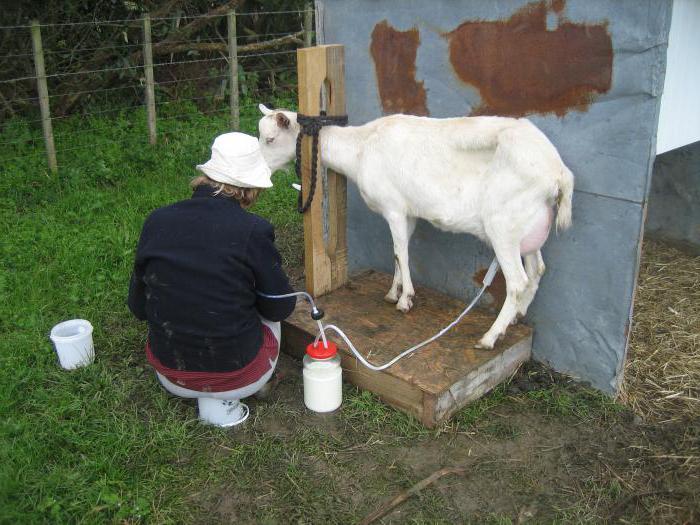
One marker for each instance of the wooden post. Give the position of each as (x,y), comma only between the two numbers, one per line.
(148,68)
(325,264)
(308,25)
(233,71)
(43,95)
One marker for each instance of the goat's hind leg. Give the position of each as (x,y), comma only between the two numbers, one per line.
(534,267)
(508,254)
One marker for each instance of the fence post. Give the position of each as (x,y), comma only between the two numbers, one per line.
(233,70)
(43,95)
(308,25)
(325,261)
(148,68)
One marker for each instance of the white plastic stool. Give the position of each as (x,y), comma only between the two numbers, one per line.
(222,412)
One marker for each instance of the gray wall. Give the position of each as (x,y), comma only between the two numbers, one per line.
(674,200)
(582,311)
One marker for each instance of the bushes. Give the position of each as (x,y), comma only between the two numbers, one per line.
(109,46)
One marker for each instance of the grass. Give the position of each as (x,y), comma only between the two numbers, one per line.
(364,412)
(105,444)
(97,443)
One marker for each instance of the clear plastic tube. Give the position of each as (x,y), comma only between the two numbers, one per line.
(488,279)
(306,296)
(410,350)
(311,301)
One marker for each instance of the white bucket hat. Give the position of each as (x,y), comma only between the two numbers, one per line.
(236,159)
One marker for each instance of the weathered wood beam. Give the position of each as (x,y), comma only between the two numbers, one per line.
(325,260)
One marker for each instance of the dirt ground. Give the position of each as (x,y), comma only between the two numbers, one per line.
(539,449)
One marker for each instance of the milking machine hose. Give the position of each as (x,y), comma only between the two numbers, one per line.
(317,315)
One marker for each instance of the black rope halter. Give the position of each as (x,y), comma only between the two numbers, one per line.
(311,127)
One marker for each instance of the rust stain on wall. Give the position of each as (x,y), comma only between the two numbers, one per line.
(519,66)
(497,290)
(394,54)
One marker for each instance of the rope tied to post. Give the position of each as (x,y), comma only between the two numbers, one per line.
(311,127)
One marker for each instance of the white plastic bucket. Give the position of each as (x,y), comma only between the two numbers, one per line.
(73,342)
(222,412)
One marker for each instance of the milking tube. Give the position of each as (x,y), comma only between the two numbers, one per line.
(317,314)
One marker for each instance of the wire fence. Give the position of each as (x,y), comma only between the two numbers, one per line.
(177,17)
(180,75)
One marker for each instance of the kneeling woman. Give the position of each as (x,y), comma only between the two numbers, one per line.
(198,266)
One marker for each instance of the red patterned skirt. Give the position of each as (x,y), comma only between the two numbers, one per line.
(222,381)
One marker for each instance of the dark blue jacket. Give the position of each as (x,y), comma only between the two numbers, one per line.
(198,265)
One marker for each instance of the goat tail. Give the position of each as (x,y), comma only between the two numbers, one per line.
(564,197)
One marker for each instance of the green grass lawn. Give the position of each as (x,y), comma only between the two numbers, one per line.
(106,444)
(100,442)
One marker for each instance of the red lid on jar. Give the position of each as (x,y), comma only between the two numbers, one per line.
(318,351)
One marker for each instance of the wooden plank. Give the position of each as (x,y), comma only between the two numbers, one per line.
(150,85)
(325,265)
(43,90)
(479,381)
(378,329)
(337,249)
(434,382)
(311,66)
(233,71)
(391,390)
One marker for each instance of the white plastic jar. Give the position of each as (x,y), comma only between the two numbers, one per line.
(323,377)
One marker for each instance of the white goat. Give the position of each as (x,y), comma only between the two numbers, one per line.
(494,177)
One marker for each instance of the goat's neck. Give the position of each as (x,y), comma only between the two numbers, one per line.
(340,148)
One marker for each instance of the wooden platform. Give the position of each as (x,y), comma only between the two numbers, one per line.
(438,379)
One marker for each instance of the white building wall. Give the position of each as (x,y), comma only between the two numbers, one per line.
(679,119)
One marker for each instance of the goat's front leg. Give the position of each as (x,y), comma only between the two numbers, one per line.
(401,228)
(508,254)
(396,287)
(393,295)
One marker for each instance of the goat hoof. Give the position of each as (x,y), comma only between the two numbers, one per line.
(484,344)
(404,305)
(391,298)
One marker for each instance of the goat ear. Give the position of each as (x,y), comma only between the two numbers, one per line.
(264,109)
(282,120)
